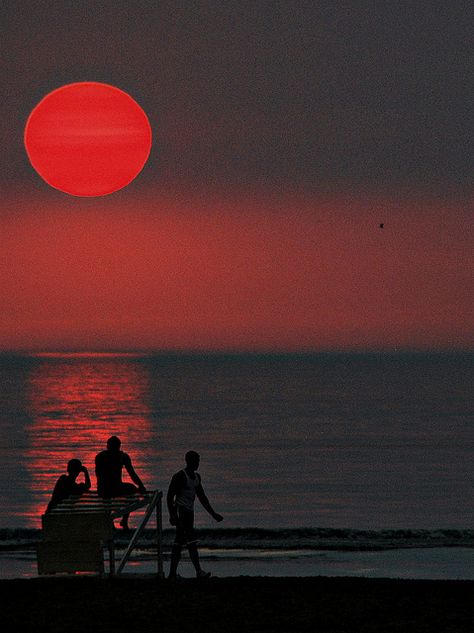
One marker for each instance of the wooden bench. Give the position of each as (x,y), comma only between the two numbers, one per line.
(76,532)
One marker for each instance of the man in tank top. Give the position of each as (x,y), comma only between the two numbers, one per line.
(185,486)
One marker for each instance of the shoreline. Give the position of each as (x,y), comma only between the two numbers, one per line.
(426,563)
(250,604)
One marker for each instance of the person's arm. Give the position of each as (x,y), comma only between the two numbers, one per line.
(173,490)
(133,475)
(201,495)
(98,469)
(87,479)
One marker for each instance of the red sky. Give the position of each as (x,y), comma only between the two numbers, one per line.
(235,272)
(284,133)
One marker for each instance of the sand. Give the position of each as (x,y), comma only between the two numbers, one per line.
(227,605)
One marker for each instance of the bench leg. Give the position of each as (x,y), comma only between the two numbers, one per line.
(112,558)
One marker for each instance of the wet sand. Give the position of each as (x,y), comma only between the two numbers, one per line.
(243,604)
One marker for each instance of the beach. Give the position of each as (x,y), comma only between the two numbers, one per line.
(432,563)
(89,604)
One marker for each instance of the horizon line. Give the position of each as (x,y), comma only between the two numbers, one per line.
(225,352)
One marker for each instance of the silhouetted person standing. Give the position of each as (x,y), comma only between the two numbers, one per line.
(66,485)
(108,469)
(185,486)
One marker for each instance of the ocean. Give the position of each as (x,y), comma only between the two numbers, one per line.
(303,454)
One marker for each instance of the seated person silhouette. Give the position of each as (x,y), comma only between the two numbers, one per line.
(108,469)
(66,485)
(185,486)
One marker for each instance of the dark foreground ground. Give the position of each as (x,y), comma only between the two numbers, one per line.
(89,604)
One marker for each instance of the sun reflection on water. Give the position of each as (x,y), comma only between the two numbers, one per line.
(75,404)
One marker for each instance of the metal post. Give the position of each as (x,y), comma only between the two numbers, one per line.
(112,557)
(139,530)
(159,539)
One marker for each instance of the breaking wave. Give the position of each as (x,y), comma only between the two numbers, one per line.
(279,539)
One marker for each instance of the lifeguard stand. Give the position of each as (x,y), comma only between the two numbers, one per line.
(76,532)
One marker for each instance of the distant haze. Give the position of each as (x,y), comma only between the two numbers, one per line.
(237,275)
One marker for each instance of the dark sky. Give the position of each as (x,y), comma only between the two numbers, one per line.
(358,94)
(323,119)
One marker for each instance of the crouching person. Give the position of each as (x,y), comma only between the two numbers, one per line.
(66,486)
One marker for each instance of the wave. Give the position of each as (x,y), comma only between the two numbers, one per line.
(278,539)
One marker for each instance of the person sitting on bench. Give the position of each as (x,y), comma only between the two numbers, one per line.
(108,469)
(66,485)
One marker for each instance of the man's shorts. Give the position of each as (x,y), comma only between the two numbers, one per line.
(185,534)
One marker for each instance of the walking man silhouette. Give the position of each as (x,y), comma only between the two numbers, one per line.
(108,469)
(185,486)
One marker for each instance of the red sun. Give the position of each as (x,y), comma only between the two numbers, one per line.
(88,139)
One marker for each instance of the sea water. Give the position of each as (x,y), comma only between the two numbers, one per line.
(338,442)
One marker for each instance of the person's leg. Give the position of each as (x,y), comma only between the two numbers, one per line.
(126,490)
(176,548)
(109,493)
(175,558)
(194,556)
(192,543)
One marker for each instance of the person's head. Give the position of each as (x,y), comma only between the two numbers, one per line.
(74,467)
(192,460)
(113,443)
